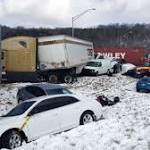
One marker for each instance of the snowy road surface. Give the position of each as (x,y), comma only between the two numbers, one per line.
(125,126)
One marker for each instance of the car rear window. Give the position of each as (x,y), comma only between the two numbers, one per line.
(35,91)
(58,91)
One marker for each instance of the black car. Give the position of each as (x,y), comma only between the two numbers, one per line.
(40,89)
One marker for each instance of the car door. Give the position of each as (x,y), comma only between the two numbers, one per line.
(104,67)
(69,112)
(43,119)
(100,68)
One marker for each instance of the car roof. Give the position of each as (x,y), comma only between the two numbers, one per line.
(46,86)
(41,98)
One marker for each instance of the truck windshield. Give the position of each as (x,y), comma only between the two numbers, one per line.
(19,109)
(93,64)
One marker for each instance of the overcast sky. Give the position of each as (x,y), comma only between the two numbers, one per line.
(58,13)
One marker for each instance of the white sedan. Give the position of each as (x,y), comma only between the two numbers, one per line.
(47,114)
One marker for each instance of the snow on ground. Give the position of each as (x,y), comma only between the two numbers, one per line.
(125,126)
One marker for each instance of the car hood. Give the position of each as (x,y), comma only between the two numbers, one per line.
(143,82)
(90,67)
(7,120)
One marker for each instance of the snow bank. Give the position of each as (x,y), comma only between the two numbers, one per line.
(125,126)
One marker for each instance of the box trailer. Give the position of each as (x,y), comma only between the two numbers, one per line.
(52,58)
(63,56)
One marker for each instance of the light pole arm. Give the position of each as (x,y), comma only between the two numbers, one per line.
(72,28)
(78,16)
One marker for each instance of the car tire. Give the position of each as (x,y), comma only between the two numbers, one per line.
(19,101)
(109,73)
(147,91)
(86,117)
(96,74)
(11,139)
(53,78)
(68,79)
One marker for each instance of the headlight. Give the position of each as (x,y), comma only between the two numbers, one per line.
(92,70)
(143,84)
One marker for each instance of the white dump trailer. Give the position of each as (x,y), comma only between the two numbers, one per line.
(62,57)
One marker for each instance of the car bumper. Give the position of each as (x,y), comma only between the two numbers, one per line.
(88,72)
(143,88)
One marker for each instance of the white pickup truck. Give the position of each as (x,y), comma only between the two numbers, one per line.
(99,66)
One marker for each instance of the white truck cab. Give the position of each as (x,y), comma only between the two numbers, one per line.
(99,66)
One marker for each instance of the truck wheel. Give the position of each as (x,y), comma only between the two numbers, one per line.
(53,78)
(68,79)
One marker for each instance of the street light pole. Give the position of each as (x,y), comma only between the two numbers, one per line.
(78,16)
(0,53)
(72,28)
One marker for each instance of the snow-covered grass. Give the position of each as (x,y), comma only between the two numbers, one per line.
(125,126)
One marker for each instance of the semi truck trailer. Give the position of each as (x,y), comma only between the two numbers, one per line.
(128,55)
(51,58)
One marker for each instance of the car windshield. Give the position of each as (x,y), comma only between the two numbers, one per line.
(146,80)
(147,64)
(93,64)
(58,91)
(19,109)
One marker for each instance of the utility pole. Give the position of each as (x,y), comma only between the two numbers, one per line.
(0,54)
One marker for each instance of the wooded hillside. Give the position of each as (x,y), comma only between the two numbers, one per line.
(115,35)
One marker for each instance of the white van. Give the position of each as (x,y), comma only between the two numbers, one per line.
(99,66)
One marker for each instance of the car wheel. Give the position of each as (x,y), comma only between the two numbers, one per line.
(19,101)
(68,78)
(96,74)
(11,140)
(147,91)
(53,78)
(86,117)
(109,73)
(138,90)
